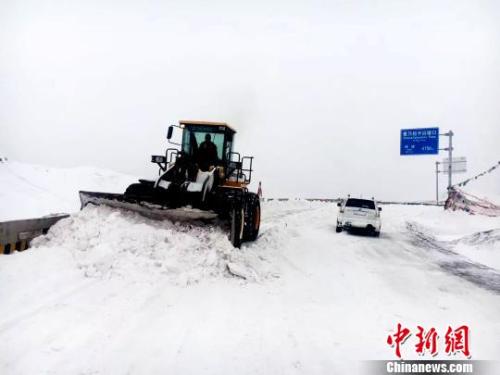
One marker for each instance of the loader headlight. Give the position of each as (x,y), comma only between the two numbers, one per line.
(221,173)
(158,159)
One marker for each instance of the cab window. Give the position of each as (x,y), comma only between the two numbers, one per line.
(192,139)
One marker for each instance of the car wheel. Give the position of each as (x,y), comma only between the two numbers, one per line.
(338,229)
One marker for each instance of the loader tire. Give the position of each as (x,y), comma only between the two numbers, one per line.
(237,225)
(252,217)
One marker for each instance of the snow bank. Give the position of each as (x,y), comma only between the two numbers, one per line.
(28,191)
(108,243)
(482,247)
(482,238)
(476,237)
(448,225)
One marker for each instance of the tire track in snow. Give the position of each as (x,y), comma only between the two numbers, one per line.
(10,323)
(454,263)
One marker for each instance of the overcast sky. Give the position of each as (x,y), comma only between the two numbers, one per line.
(318,90)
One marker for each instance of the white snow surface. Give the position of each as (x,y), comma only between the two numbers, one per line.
(28,191)
(111,292)
(107,243)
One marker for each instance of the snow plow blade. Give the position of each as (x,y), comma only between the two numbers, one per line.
(149,210)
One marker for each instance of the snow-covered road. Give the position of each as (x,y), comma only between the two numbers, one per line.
(108,292)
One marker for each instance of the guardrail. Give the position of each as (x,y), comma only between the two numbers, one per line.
(16,235)
(334,200)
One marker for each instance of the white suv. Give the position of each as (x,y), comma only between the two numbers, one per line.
(356,213)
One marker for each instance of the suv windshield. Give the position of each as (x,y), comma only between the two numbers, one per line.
(361,203)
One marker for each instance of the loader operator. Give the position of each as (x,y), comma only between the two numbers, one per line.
(207,153)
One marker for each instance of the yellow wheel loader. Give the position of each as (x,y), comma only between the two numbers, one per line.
(201,178)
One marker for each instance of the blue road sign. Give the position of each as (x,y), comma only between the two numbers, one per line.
(421,141)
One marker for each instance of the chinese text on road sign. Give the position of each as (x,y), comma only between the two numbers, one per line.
(422,141)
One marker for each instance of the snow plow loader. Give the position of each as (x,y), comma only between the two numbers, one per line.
(200,179)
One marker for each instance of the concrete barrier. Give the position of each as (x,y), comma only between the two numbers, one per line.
(16,235)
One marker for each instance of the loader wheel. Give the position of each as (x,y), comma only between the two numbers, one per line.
(252,218)
(236,234)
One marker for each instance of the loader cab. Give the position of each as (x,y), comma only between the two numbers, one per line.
(235,169)
(195,133)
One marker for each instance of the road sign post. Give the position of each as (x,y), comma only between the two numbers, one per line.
(437,182)
(450,156)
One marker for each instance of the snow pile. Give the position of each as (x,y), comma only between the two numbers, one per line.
(482,247)
(477,238)
(488,237)
(28,191)
(449,225)
(109,243)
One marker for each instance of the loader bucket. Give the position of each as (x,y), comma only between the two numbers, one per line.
(149,210)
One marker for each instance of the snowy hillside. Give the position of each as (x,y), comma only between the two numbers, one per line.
(28,191)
